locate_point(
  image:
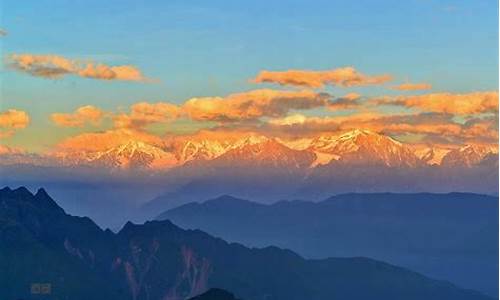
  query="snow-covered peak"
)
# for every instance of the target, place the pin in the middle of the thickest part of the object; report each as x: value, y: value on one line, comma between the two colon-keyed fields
x: 362, y: 146
x: 468, y: 155
x: 432, y: 155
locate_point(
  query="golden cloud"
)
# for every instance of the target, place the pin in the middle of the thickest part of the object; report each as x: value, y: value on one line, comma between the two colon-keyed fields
x: 348, y: 101
x: 252, y: 105
x: 97, y: 141
x: 431, y: 126
x: 412, y: 87
x: 83, y: 115
x: 344, y: 77
x: 449, y: 103
x: 54, y: 66
x: 143, y: 114
x: 12, y: 120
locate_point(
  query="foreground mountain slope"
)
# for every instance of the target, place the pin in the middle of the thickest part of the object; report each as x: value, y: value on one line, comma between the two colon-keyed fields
x: 215, y: 294
x: 449, y: 236
x: 157, y: 260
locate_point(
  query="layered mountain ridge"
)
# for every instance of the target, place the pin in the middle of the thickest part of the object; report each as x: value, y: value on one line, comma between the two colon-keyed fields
x: 452, y: 236
x: 40, y: 243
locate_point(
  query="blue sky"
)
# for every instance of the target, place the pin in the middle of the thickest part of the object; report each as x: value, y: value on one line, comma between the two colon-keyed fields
x: 212, y: 48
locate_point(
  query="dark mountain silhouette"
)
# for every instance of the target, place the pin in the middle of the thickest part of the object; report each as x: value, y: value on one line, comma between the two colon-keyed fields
x: 215, y: 294
x: 448, y: 236
x: 40, y: 243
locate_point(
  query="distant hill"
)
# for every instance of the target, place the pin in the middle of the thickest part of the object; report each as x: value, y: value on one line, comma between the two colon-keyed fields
x: 41, y: 244
x: 448, y: 236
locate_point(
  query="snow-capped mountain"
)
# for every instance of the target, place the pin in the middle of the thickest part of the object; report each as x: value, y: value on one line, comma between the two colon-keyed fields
x: 365, y: 147
x: 356, y: 147
x: 199, y: 150
x: 208, y: 149
x: 130, y: 155
x: 468, y: 155
x: 263, y: 152
x: 432, y: 155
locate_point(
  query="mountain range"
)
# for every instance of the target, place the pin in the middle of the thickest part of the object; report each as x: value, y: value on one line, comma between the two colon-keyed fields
x: 42, y: 245
x: 152, y: 177
x: 448, y: 236
x: 354, y: 147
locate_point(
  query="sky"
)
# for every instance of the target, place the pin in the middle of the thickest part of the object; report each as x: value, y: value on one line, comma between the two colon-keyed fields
x: 446, y: 52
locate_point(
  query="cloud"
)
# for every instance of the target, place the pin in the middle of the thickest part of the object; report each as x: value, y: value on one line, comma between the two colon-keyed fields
x: 12, y: 120
x: 298, y: 125
x: 97, y: 141
x: 3, y: 32
x: 83, y: 115
x: 54, y: 66
x: 252, y: 105
x: 343, y: 77
x: 412, y: 87
x: 450, y: 103
x: 431, y: 126
x: 6, y: 150
x: 289, y: 120
x: 143, y: 114
x: 348, y: 101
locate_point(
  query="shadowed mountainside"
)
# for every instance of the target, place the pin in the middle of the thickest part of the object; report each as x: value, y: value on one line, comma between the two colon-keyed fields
x: 215, y: 294
x: 39, y: 242
x: 448, y: 236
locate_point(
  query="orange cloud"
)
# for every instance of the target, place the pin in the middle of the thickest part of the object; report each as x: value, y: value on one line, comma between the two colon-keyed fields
x: 84, y: 115
x: 412, y: 87
x: 105, y: 72
x: 12, y: 120
x: 344, y: 77
x: 54, y: 66
x: 143, y: 114
x: 348, y: 101
x: 252, y: 105
x: 104, y: 140
x: 432, y: 126
x: 6, y: 150
x: 457, y: 104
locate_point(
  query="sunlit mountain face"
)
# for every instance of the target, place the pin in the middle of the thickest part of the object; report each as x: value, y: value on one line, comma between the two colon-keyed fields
x: 355, y: 147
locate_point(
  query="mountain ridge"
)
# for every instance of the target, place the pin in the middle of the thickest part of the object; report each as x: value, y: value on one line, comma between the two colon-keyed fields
x: 354, y: 147
x: 445, y: 235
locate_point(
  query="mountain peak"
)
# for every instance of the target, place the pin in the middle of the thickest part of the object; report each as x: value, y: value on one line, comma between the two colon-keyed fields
x: 41, y: 192
x: 215, y: 294
x: 22, y: 191
x: 357, y: 132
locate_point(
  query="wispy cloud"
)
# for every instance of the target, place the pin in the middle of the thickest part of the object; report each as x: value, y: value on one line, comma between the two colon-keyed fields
x: 343, y: 77
x: 55, y: 66
x: 412, y: 87
x: 451, y: 103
